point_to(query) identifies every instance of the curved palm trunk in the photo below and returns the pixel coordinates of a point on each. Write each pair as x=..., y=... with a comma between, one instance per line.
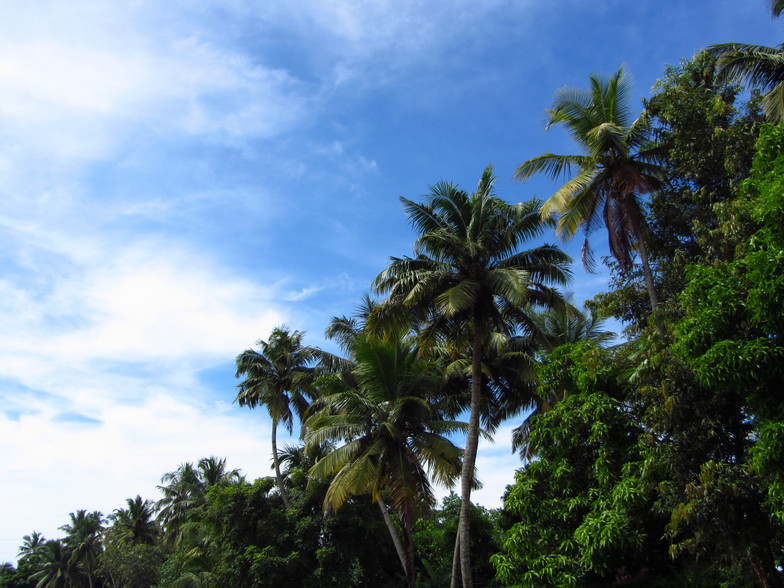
x=646, y=266
x=402, y=553
x=469, y=461
x=276, y=461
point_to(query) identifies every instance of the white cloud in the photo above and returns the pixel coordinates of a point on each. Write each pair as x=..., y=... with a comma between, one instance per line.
x=51, y=467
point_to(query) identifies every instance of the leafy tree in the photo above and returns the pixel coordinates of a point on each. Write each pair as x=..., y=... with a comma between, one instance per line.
x=131, y=565
x=392, y=434
x=280, y=377
x=579, y=511
x=469, y=275
x=732, y=337
x=618, y=166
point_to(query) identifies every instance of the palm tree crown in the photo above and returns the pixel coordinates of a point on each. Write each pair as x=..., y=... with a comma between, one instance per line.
x=618, y=165
x=384, y=412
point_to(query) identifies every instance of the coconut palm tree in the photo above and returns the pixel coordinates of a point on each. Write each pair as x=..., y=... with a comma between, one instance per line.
x=135, y=524
x=280, y=377
x=31, y=545
x=756, y=65
x=392, y=433
x=84, y=538
x=469, y=277
x=55, y=569
x=185, y=492
x=618, y=166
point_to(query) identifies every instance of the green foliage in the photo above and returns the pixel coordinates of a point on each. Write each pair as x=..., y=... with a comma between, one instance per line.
x=131, y=565
x=434, y=539
x=579, y=509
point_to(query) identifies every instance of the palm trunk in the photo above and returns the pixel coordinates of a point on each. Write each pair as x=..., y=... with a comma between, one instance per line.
x=636, y=227
x=646, y=270
x=276, y=461
x=408, y=544
x=469, y=458
x=456, y=579
x=401, y=553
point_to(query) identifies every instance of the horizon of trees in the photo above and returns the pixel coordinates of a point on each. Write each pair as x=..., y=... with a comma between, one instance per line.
x=658, y=461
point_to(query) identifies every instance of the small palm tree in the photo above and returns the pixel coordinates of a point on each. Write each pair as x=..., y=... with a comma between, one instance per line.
x=391, y=431
x=31, y=545
x=618, y=166
x=135, y=524
x=470, y=278
x=280, y=377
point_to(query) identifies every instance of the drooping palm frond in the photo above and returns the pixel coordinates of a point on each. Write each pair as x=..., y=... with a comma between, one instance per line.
x=758, y=66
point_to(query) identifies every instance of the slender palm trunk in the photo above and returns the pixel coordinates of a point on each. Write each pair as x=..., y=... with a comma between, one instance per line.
x=401, y=552
x=469, y=459
x=646, y=270
x=636, y=227
x=456, y=579
x=408, y=544
x=276, y=461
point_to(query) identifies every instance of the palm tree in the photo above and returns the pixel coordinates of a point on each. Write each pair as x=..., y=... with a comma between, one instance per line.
x=568, y=324
x=83, y=538
x=56, y=570
x=468, y=277
x=393, y=434
x=185, y=492
x=757, y=65
x=31, y=545
x=280, y=377
x=618, y=166
x=135, y=524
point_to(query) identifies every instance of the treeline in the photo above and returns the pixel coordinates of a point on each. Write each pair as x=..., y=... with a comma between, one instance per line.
x=655, y=462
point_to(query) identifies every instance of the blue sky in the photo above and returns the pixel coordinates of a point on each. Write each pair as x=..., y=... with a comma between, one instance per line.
x=178, y=178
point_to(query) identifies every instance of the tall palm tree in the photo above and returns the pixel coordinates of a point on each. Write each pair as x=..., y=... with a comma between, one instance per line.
x=392, y=433
x=280, y=377
x=468, y=276
x=135, y=524
x=619, y=164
